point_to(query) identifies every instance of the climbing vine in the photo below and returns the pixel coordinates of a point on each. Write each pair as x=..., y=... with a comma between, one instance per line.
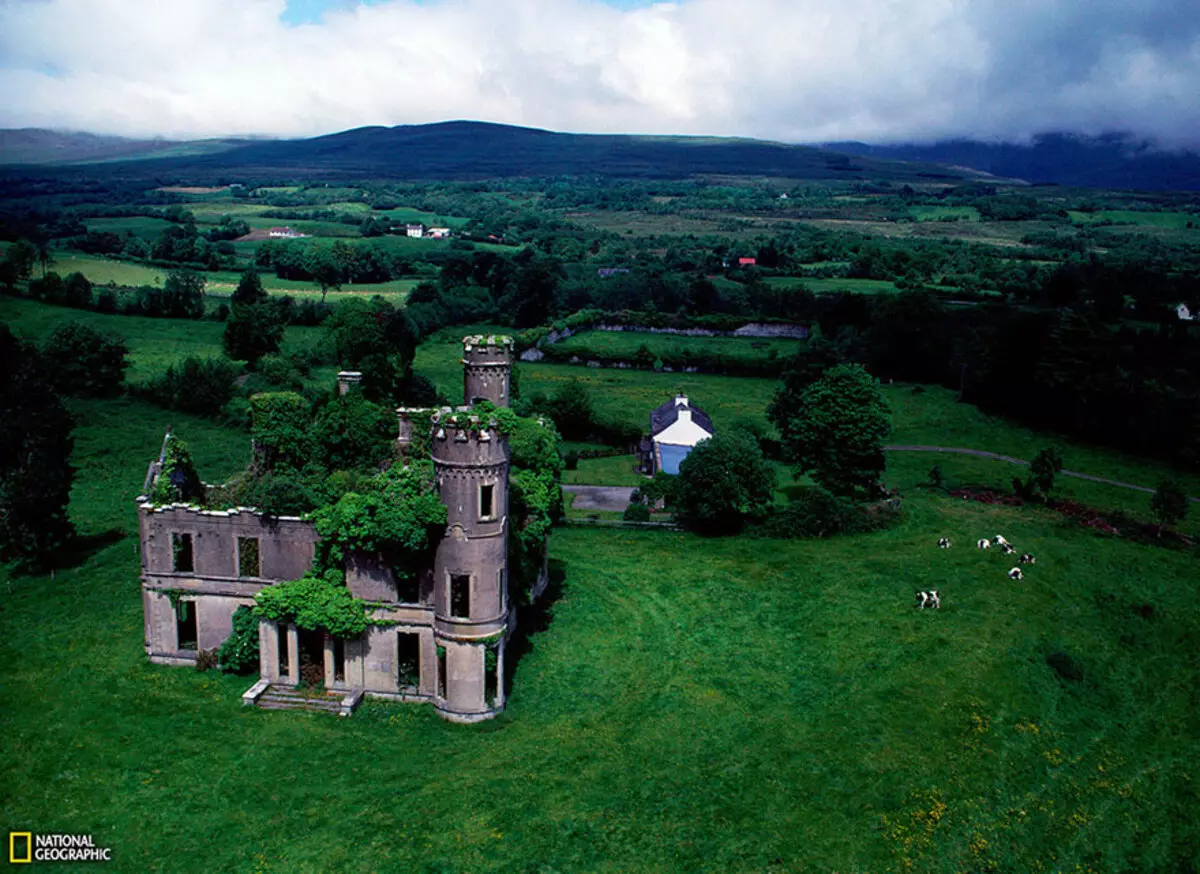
x=314, y=602
x=177, y=479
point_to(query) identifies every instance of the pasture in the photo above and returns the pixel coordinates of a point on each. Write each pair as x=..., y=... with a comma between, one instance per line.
x=680, y=704
x=625, y=344
x=1170, y=220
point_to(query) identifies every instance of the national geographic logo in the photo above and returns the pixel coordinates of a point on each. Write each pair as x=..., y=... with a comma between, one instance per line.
x=26, y=847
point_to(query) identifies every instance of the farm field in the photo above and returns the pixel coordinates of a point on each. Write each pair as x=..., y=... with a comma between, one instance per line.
x=861, y=286
x=749, y=706
x=937, y=213
x=103, y=271
x=645, y=224
x=1172, y=220
x=139, y=225
x=627, y=343
x=154, y=343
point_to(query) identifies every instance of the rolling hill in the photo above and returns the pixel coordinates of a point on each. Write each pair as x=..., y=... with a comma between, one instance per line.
x=477, y=150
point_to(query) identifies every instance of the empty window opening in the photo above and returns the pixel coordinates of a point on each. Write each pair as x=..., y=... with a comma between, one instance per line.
x=339, y=660
x=408, y=659
x=487, y=501
x=460, y=596
x=491, y=676
x=282, y=633
x=248, y=560
x=181, y=553
x=441, y=656
x=312, y=657
x=185, y=624
x=408, y=589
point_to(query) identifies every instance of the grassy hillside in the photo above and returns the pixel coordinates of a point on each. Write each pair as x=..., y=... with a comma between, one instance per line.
x=684, y=705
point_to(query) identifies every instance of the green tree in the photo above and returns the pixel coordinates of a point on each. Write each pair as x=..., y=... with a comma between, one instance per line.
x=572, y=412
x=837, y=431
x=809, y=364
x=324, y=269
x=255, y=325
x=724, y=482
x=85, y=362
x=183, y=294
x=1169, y=504
x=35, y=456
x=1045, y=466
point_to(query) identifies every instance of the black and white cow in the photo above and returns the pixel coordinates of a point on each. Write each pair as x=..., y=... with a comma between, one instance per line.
x=944, y=543
x=984, y=543
x=1027, y=558
x=1016, y=574
x=1008, y=548
x=999, y=540
x=928, y=599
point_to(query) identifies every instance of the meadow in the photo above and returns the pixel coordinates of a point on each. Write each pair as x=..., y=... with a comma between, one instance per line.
x=625, y=344
x=680, y=704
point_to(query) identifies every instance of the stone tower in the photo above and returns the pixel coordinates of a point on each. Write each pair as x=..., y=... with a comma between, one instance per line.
x=487, y=363
x=471, y=607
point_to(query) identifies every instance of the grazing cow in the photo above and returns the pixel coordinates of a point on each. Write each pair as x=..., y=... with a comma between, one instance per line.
x=984, y=543
x=999, y=540
x=928, y=599
x=1008, y=549
x=1016, y=574
x=1026, y=558
x=944, y=543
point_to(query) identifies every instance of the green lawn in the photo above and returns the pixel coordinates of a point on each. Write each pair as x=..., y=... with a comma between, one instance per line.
x=615, y=470
x=692, y=705
x=139, y=225
x=936, y=213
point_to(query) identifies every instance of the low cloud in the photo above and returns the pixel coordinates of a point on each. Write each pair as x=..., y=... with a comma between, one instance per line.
x=780, y=69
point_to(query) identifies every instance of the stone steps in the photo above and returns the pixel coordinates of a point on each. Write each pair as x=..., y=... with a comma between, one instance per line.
x=274, y=697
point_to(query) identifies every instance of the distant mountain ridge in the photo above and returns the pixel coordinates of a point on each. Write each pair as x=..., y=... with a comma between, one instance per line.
x=480, y=150
x=1111, y=161
x=455, y=150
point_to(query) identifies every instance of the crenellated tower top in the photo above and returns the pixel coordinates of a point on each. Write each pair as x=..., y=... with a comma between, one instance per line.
x=487, y=364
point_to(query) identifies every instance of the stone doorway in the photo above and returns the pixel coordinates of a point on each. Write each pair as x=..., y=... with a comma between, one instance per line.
x=312, y=657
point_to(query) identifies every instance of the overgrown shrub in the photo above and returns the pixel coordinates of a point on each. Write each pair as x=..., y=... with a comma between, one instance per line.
x=239, y=652
x=281, y=431
x=816, y=512
x=636, y=512
x=194, y=385
x=279, y=494
x=85, y=362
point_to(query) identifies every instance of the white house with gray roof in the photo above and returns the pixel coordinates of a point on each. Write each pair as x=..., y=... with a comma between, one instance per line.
x=675, y=429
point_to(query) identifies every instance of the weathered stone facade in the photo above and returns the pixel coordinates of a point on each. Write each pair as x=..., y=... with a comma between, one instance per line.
x=440, y=640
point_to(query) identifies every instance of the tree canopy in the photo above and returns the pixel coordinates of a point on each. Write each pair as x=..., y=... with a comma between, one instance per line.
x=724, y=482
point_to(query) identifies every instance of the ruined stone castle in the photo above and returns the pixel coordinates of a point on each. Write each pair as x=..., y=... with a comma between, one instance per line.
x=440, y=641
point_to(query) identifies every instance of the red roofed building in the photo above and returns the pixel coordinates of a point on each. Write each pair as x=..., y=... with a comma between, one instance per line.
x=747, y=262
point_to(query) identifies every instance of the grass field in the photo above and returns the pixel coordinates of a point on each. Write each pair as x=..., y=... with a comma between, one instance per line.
x=937, y=213
x=153, y=343
x=1172, y=220
x=102, y=271
x=862, y=286
x=626, y=344
x=690, y=705
x=139, y=225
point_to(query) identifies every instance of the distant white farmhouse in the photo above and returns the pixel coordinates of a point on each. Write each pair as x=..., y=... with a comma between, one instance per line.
x=675, y=429
x=416, y=231
x=1185, y=315
x=285, y=233
x=438, y=233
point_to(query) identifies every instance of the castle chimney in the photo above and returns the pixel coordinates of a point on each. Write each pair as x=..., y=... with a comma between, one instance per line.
x=346, y=379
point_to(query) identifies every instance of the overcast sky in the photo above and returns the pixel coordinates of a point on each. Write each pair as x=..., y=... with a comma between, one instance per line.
x=793, y=70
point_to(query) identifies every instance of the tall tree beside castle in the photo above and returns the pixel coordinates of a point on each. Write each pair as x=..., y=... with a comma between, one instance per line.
x=255, y=325
x=35, y=456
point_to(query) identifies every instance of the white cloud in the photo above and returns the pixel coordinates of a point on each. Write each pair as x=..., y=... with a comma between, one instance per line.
x=799, y=70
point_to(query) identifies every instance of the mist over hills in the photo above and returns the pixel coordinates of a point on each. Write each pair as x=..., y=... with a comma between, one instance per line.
x=480, y=150
x=1112, y=161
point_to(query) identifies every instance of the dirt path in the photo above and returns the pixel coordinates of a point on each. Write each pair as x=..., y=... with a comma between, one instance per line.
x=610, y=498
x=979, y=453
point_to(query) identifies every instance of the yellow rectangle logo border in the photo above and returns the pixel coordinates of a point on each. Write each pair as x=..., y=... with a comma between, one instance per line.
x=12, y=848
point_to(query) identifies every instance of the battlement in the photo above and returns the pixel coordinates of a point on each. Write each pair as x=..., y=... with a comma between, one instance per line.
x=479, y=348
x=464, y=439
